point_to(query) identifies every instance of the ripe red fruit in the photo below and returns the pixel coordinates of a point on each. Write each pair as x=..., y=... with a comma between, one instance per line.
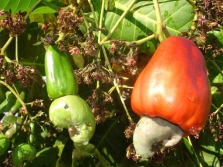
x=174, y=86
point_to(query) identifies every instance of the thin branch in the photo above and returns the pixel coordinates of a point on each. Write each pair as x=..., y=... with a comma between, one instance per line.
x=5, y=47
x=122, y=101
x=141, y=41
x=16, y=49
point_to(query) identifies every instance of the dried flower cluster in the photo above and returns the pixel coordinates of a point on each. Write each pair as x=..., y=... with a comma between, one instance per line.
x=15, y=24
x=215, y=126
x=121, y=61
x=94, y=72
x=129, y=130
x=68, y=20
x=99, y=101
x=209, y=18
x=14, y=72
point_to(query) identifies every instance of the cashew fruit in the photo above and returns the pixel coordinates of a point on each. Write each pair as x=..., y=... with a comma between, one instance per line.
x=14, y=128
x=23, y=152
x=4, y=144
x=60, y=79
x=174, y=86
x=73, y=112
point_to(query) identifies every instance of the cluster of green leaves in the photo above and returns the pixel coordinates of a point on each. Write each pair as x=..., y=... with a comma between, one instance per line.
x=108, y=145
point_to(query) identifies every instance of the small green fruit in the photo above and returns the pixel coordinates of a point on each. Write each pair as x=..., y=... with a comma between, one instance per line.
x=4, y=144
x=23, y=152
x=74, y=113
x=60, y=79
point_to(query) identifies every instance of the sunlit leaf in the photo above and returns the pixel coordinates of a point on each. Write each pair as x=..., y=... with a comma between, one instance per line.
x=44, y=10
x=141, y=19
x=17, y=5
x=206, y=140
x=207, y=159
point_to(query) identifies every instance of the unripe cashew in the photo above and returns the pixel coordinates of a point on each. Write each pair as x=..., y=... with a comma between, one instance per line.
x=150, y=133
x=23, y=152
x=4, y=144
x=73, y=112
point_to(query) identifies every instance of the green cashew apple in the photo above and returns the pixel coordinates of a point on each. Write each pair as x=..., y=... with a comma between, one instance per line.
x=4, y=144
x=23, y=152
x=14, y=128
x=60, y=79
x=73, y=112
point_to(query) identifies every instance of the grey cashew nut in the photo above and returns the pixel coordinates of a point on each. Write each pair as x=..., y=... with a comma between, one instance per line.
x=150, y=133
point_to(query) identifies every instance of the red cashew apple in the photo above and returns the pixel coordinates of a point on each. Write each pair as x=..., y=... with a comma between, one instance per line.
x=172, y=96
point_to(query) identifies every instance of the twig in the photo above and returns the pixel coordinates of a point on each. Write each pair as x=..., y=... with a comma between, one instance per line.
x=16, y=49
x=5, y=47
x=122, y=101
x=141, y=41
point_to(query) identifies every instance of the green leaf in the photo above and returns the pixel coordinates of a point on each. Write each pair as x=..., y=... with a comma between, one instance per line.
x=191, y=152
x=51, y=5
x=215, y=37
x=8, y=120
x=206, y=141
x=60, y=144
x=141, y=19
x=17, y=5
x=109, y=138
x=9, y=101
x=208, y=159
x=44, y=10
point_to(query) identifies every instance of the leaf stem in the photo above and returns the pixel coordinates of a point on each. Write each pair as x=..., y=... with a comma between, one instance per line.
x=15, y=94
x=159, y=28
x=117, y=23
